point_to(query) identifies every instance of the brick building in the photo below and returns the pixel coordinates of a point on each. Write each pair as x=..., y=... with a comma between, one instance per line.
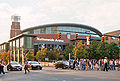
x=112, y=39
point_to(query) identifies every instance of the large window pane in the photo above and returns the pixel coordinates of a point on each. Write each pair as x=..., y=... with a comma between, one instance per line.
x=54, y=30
x=37, y=31
x=28, y=42
x=42, y=30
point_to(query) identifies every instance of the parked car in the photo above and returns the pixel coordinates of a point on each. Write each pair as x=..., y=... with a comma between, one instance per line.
x=14, y=66
x=34, y=65
x=62, y=64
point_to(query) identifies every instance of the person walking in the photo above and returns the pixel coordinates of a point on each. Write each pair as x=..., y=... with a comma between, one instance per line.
x=2, y=67
x=26, y=67
x=105, y=62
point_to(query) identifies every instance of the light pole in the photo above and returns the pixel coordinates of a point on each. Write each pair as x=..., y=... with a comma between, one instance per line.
x=119, y=54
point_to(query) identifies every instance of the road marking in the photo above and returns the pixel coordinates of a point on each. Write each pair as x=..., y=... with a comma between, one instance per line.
x=52, y=79
x=78, y=78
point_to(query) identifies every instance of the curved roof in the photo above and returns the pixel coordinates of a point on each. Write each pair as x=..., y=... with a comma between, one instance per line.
x=66, y=24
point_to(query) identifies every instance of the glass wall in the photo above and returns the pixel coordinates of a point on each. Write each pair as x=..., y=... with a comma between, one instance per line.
x=54, y=30
x=62, y=29
x=28, y=42
x=37, y=31
x=42, y=30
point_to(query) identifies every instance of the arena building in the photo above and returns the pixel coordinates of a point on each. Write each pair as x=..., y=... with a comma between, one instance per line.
x=45, y=36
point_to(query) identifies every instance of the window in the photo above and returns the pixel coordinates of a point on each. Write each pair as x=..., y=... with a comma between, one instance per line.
x=15, y=33
x=37, y=31
x=106, y=38
x=54, y=30
x=28, y=42
x=42, y=30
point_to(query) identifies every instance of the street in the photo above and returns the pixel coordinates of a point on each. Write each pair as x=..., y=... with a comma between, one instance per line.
x=51, y=74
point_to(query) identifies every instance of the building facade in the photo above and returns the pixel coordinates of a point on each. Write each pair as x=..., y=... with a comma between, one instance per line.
x=45, y=36
x=111, y=39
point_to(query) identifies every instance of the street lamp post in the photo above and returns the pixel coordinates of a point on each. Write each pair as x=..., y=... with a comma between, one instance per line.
x=119, y=54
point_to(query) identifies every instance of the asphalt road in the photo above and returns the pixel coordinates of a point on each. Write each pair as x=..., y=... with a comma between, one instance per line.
x=50, y=75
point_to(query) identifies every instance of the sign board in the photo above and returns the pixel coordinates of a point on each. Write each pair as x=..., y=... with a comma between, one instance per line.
x=51, y=40
x=88, y=42
x=117, y=45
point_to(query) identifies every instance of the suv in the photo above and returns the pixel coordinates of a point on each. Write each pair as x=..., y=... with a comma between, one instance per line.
x=34, y=65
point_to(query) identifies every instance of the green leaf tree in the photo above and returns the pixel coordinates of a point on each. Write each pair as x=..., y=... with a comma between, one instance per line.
x=68, y=49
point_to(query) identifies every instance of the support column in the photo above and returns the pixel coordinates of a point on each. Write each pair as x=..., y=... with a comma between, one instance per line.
x=22, y=56
x=18, y=56
x=14, y=55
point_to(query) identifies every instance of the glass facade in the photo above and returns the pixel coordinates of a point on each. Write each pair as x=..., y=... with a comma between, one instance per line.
x=28, y=42
x=62, y=29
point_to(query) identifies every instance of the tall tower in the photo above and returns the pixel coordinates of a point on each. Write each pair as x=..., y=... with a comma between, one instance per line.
x=15, y=27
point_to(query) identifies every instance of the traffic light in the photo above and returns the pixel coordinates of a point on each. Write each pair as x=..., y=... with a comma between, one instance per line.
x=89, y=37
x=102, y=38
x=76, y=35
x=59, y=35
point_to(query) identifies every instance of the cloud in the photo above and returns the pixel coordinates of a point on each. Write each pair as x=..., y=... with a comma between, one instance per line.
x=101, y=14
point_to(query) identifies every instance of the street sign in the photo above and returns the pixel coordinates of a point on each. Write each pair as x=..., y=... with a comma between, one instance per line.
x=117, y=45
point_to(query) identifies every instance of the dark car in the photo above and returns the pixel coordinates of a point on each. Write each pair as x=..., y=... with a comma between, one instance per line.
x=62, y=64
x=35, y=65
x=14, y=66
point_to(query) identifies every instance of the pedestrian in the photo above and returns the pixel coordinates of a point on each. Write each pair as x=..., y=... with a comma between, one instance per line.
x=105, y=64
x=2, y=67
x=26, y=67
x=111, y=64
x=77, y=64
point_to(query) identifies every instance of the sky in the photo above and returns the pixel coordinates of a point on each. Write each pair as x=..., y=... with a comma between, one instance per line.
x=103, y=15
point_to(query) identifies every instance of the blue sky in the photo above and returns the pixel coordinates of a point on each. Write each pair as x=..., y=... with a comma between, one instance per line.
x=104, y=15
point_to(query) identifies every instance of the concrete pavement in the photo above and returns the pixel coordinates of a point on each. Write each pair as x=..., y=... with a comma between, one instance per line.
x=52, y=74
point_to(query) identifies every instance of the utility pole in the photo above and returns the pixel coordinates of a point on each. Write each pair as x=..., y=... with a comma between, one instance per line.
x=69, y=57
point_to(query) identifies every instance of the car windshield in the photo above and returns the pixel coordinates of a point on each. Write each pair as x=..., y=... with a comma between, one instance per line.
x=34, y=63
x=14, y=63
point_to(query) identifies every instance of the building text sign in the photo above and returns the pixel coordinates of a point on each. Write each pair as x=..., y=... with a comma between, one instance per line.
x=51, y=40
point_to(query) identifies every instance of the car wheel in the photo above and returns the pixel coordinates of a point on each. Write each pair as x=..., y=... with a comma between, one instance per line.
x=56, y=67
x=7, y=69
x=40, y=68
x=32, y=68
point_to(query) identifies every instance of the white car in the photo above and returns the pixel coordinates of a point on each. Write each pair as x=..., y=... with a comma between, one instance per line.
x=34, y=65
x=14, y=66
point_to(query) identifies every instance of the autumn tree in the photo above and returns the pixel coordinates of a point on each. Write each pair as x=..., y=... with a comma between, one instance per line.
x=5, y=56
x=79, y=50
x=41, y=54
x=29, y=55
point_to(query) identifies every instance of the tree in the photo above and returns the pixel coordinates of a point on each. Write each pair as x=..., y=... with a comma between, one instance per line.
x=41, y=54
x=112, y=51
x=5, y=56
x=68, y=49
x=29, y=55
x=99, y=50
x=93, y=49
x=79, y=51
